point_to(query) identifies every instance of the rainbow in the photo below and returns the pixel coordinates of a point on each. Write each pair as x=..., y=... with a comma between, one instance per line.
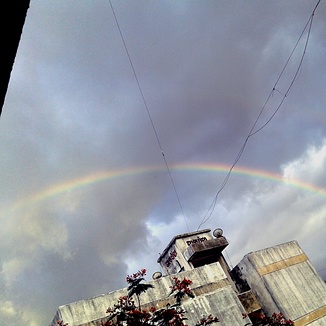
x=103, y=176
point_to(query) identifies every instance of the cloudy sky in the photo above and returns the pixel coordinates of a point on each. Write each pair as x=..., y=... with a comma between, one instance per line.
x=86, y=197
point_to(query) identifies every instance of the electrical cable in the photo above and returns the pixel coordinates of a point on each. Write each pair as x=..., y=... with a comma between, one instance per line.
x=149, y=114
x=251, y=133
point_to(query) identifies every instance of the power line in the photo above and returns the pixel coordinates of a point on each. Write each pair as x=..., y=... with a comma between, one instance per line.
x=149, y=114
x=252, y=131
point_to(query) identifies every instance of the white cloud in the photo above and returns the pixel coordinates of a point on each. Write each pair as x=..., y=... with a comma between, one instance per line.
x=308, y=167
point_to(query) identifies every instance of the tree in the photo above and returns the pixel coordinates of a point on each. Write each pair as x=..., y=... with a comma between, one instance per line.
x=125, y=311
x=135, y=285
x=277, y=319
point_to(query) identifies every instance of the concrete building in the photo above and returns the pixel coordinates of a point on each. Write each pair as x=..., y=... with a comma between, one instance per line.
x=276, y=279
x=283, y=279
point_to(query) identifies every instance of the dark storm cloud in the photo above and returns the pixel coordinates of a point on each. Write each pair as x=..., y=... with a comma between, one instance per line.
x=74, y=109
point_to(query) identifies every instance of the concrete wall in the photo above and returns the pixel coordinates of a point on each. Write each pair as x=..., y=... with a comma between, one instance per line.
x=213, y=295
x=222, y=303
x=284, y=280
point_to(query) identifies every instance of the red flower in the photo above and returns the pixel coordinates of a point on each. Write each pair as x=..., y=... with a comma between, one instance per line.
x=135, y=276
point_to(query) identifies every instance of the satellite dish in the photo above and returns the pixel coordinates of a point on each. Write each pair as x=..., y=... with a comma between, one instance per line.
x=217, y=233
x=156, y=275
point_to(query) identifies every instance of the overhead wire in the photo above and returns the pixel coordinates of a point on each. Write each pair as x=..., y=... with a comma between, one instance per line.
x=252, y=131
x=149, y=115
x=321, y=269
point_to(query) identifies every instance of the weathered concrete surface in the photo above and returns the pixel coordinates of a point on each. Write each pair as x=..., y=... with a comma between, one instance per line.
x=222, y=303
x=214, y=295
x=283, y=279
x=206, y=248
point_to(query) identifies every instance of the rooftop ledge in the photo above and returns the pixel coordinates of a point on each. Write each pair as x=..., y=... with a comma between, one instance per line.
x=206, y=248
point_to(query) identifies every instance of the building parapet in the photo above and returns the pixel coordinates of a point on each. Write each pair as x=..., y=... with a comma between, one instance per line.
x=202, y=248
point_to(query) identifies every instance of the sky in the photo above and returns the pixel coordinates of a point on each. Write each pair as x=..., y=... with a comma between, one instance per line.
x=107, y=154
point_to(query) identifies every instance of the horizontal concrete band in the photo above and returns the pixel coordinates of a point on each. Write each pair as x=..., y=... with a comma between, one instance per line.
x=281, y=264
x=312, y=316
